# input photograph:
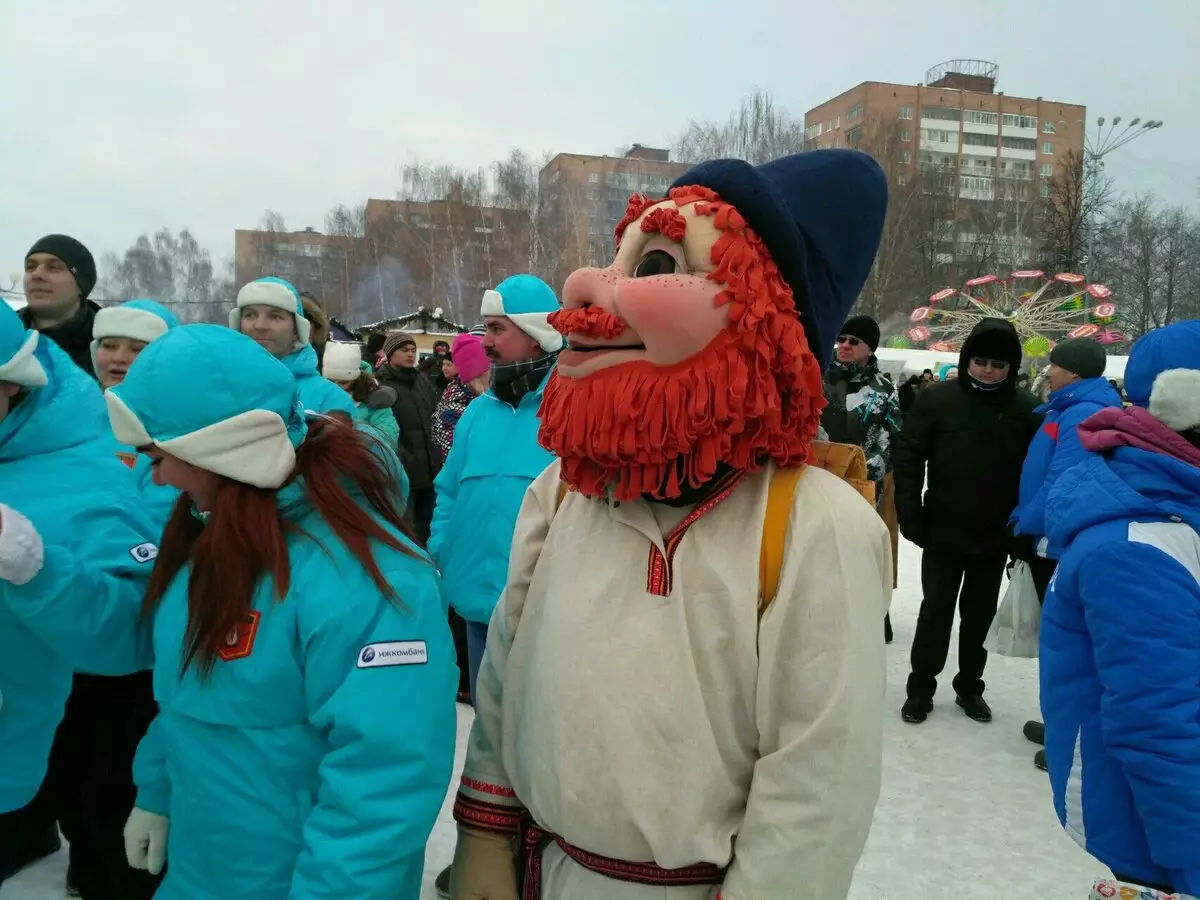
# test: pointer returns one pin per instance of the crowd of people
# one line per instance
(246, 572)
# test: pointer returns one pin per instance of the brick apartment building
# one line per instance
(985, 157)
(584, 197)
(439, 254)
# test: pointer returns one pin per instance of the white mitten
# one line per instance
(146, 840)
(21, 550)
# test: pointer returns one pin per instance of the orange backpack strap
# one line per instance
(780, 494)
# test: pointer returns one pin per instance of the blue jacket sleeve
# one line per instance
(85, 599)
(150, 771)
(1143, 614)
(446, 486)
(388, 767)
(1068, 451)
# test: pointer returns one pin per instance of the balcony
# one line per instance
(1013, 131)
(1010, 153)
(975, 128)
(972, 150)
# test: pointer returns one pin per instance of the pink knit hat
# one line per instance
(468, 356)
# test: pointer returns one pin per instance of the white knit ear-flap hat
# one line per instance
(23, 368)
(252, 447)
(275, 292)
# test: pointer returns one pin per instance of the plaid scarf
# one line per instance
(512, 381)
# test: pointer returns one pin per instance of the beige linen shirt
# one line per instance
(680, 729)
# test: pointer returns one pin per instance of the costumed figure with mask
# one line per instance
(682, 689)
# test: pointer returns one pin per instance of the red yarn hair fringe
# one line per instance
(246, 539)
(754, 394)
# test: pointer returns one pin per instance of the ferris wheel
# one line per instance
(1043, 309)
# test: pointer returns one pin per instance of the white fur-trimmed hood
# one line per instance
(1175, 398)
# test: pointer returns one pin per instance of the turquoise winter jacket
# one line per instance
(494, 458)
(314, 760)
(319, 395)
(59, 468)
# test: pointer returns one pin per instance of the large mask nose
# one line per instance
(590, 287)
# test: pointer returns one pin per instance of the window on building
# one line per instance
(1014, 121)
(812, 131)
(854, 113)
(902, 179)
(979, 117)
(906, 157)
(1016, 143)
(1046, 170)
(979, 140)
(905, 134)
(594, 178)
(938, 136)
(1044, 190)
(941, 113)
(835, 122)
(1047, 148)
(904, 112)
(1047, 127)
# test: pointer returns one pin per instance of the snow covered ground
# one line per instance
(963, 814)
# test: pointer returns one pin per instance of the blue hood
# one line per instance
(1125, 483)
(1087, 390)
(302, 363)
(68, 412)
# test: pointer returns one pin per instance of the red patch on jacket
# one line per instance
(239, 643)
(130, 459)
(1051, 429)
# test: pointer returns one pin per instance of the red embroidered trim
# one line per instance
(535, 839)
(484, 787)
(659, 576)
(488, 816)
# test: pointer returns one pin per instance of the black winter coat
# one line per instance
(415, 403)
(73, 336)
(973, 443)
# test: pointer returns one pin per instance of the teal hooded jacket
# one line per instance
(82, 610)
(493, 460)
(318, 394)
(313, 760)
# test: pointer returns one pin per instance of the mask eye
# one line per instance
(656, 262)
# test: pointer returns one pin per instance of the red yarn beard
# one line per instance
(753, 395)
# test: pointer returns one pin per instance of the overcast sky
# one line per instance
(121, 116)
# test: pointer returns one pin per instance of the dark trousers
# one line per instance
(950, 580)
(458, 630)
(12, 829)
(1042, 571)
(420, 511)
(90, 786)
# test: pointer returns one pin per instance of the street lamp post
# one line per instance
(1094, 152)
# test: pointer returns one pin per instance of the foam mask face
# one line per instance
(654, 304)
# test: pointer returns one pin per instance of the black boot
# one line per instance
(887, 629)
(916, 710)
(975, 707)
(1035, 733)
(1039, 760)
(36, 847)
(441, 884)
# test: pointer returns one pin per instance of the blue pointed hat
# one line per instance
(820, 215)
(213, 398)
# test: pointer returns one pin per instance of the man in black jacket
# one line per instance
(59, 274)
(972, 434)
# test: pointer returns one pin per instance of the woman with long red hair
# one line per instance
(303, 665)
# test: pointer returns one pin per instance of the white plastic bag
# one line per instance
(1014, 630)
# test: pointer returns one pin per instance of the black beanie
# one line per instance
(76, 256)
(1083, 356)
(864, 328)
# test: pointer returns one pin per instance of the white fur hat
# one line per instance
(272, 291)
(342, 361)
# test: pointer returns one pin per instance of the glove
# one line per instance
(485, 866)
(916, 532)
(1021, 546)
(21, 549)
(146, 840)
